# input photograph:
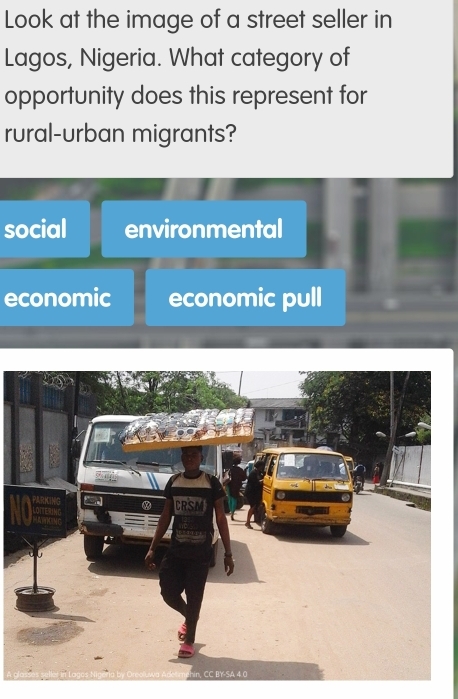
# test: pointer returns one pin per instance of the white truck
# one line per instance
(121, 495)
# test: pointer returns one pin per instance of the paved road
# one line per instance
(296, 608)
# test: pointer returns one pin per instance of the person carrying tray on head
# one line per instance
(191, 498)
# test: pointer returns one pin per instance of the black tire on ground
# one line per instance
(214, 554)
(93, 546)
(267, 526)
(338, 530)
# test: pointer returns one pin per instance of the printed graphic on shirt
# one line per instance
(193, 505)
(187, 504)
(186, 535)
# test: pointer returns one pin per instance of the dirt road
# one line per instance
(296, 606)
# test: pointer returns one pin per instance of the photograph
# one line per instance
(161, 506)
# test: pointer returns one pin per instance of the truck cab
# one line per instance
(121, 494)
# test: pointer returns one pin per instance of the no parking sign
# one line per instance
(37, 511)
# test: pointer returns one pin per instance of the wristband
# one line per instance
(228, 555)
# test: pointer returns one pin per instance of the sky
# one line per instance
(263, 384)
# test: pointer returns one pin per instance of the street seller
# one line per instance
(191, 498)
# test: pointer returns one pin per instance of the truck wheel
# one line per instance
(214, 554)
(93, 546)
(267, 526)
(338, 530)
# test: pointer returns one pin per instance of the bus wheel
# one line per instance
(93, 546)
(338, 530)
(267, 526)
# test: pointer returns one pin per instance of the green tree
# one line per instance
(356, 404)
(140, 392)
(423, 435)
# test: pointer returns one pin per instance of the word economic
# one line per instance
(51, 299)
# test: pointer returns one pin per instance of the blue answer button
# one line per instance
(83, 297)
(252, 297)
(204, 229)
(45, 229)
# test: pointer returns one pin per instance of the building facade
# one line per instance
(279, 421)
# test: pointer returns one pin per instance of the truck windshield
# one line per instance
(104, 448)
(312, 467)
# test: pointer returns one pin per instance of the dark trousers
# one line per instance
(178, 575)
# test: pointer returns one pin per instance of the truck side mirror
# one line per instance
(76, 449)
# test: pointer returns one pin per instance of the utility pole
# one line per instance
(393, 429)
(240, 382)
(394, 421)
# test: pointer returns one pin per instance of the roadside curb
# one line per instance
(420, 500)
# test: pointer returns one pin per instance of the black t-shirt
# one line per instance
(193, 502)
(254, 486)
(237, 476)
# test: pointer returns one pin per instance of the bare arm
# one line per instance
(162, 526)
(221, 521)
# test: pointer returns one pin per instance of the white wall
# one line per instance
(412, 465)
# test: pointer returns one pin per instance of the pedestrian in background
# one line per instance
(377, 473)
(253, 490)
(360, 470)
(235, 477)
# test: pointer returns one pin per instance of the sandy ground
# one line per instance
(292, 610)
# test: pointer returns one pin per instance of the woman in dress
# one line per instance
(376, 474)
(253, 490)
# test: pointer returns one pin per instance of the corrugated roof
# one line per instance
(276, 403)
